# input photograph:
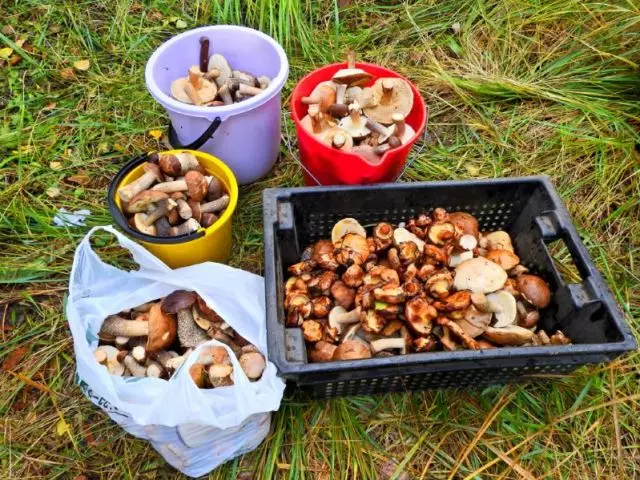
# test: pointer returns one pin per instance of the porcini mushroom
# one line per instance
(179, 303)
(220, 375)
(479, 275)
(324, 95)
(177, 164)
(145, 200)
(337, 138)
(473, 321)
(219, 62)
(503, 306)
(510, 335)
(402, 343)
(383, 132)
(506, 259)
(321, 352)
(253, 364)
(401, 129)
(187, 227)
(108, 356)
(392, 95)
(151, 175)
(465, 223)
(198, 374)
(160, 329)
(215, 205)
(338, 317)
(498, 240)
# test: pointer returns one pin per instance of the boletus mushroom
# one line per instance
(180, 302)
(352, 350)
(160, 329)
(193, 89)
(392, 95)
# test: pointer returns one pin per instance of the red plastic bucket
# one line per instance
(334, 167)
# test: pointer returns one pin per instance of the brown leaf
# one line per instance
(68, 73)
(14, 358)
(20, 42)
(79, 179)
(8, 30)
(387, 470)
(49, 106)
(80, 477)
(14, 60)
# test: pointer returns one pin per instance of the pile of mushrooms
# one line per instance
(349, 116)
(173, 197)
(434, 283)
(155, 339)
(212, 83)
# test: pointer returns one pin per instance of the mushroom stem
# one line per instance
(134, 188)
(383, 132)
(177, 361)
(348, 317)
(194, 77)
(121, 342)
(164, 356)
(340, 91)
(155, 370)
(244, 77)
(189, 334)
(354, 113)
(338, 140)
(398, 121)
(162, 227)
(224, 92)
(211, 74)
(189, 226)
(386, 344)
(139, 353)
(184, 210)
(215, 205)
(387, 91)
(316, 119)
(170, 187)
(351, 59)
(192, 93)
(134, 367)
(162, 209)
(380, 149)
(264, 81)
(247, 90)
(118, 326)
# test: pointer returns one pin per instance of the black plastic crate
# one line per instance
(528, 208)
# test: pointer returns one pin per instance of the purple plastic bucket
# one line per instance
(248, 139)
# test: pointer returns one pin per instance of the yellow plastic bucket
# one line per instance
(212, 244)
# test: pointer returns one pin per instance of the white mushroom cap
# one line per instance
(499, 240)
(503, 306)
(218, 62)
(345, 226)
(139, 222)
(458, 258)
(402, 235)
(479, 275)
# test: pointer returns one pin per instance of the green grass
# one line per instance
(526, 87)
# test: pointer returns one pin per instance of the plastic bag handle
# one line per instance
(198, 142)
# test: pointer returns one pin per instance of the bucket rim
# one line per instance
(416, 93)
(118, 215)
(225, 111)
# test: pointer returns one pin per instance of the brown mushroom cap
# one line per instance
(420, 315)
(170, 165)
(474, 322)
(465, 222)
(196, 212)
(162, 329)
(506, 259)
(178, 300)
(511, 335)
(207, 219)
(393, 95)
(323, 255)
(154, 169)
(534, 290)
(353, 249)
(351, 77)
(253, 364)
(196, 185)
(321, 352)
(312, 331)
(352, 350)
(141, 202)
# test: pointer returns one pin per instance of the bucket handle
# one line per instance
(408, 164)
(121, 220)
(198, 142)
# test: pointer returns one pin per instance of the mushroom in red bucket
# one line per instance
(393, 95)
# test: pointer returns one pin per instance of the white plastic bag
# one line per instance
(194, 429)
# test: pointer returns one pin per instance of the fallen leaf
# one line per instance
(80, 477)
(15, 59)
(14, 358)
(53, 192)
(8, 30)
(181, 24)
(153, 15)
(473, 170)
(157, 134)
(79, 179)
(6, 52)
(68, 73)
(62, 427)
(50, 106)
(20, 42)
(82, 65)
(55, 165)
(55, 28)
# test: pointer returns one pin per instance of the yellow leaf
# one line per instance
(157, 134)
(55, 165)
(62, 427)
(53, 192)
(6, 52)
(82, 65)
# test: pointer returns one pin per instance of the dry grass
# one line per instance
(527, 87)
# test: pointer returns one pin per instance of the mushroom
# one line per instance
(203, 322)
(300, 303)
(121, 342)
(392, 95)
(459, 332)
(321, 306)
(506, 259)
(498, 240)
(339, 109)
(151, 175)
(193, 183)
(390, 294)
(484, 344)
(457, 258)
(401, 130)
(321, 352)
(473, 321)
(177, 164)
(467, 241)
(455, 301)
(534, 290)
(420, 315)
(245, 78)
(353, 276)
(402, 343)
(481, 302)
(198, 374)
(351, 75)
(215, 205)
(184, 210)
(337, 138)
(479, 275)
(352, 350)
(344, 227)
(408, 253)
(187, 227)
(383, 132)
(160, 329)
(220, 375)
(383, 236)
(503, 306)
(208, 219)
(371, 321)
(145, 201)
(139, 353)
(392, 327)
(510, 335)
(530, 319)
(402, 235)
(388, 311)
(245, 90)
(439, 284)
(338, 317)
(176, 362)
(425, 344)
(252, 364)
(311, 331)
(323, 255)
(442, 233)
(324, 95)
(180, 302)
(215, 188)
(354, 124)
(164, 356)
(353, 248)
(219, 63)
(559, 338)
(300, 268)
(134, 367)
(193, 89)
(224, 91)
(162, 208)
(465, 223)
(313, 122)
(108, 356)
